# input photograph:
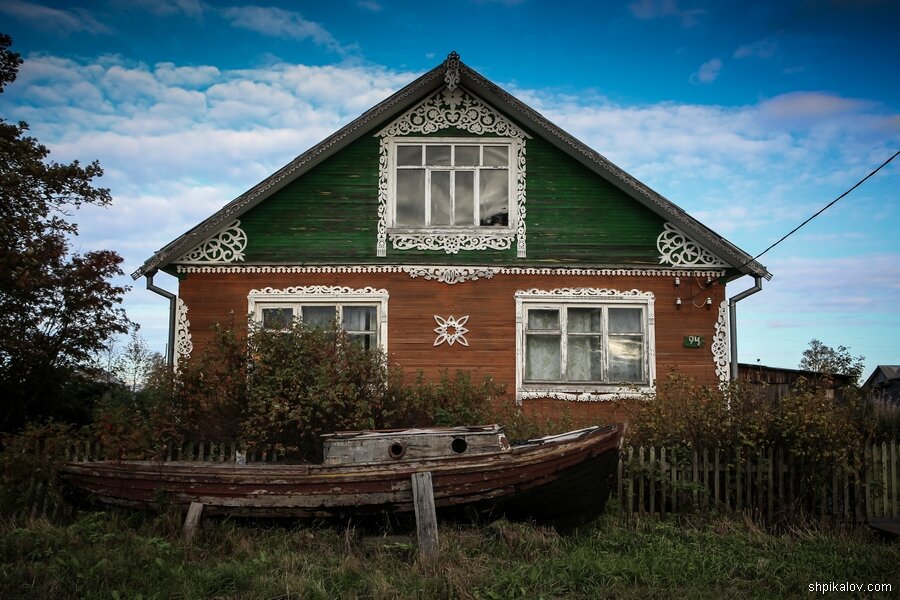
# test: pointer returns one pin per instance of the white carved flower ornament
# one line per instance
(451, 330)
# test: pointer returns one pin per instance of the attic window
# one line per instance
(452, 184)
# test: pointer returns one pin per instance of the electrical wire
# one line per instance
(823, 209)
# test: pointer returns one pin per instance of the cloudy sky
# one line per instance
(751, 116)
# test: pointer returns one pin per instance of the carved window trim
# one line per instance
(594, 297)
(451, 108)
(339, 296)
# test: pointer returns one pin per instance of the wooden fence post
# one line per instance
(426, 517)
(195, 512)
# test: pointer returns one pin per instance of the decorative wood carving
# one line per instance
(451, 330)
(452, 107)
(226, 246)
(720, 346)
(183, 342)
(678, 250)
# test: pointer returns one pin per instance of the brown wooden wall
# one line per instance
(490, 304)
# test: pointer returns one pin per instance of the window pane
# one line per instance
(626, 358)
(277, 318)
(411, 197)
(464, 196)
(542, 356)
(496, 156)
(440, 198)
(367, 341)
(359, 318)
(584, 358)
(466, 156)
(437, 155)
(319, 316)
(543, 319)
(494, 197)
(626, 320)
(585, 320)
(409, 155)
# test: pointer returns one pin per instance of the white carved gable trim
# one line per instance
(452, 107)
(226, 246)
(184, 345)
(679, 250)
(720, 347)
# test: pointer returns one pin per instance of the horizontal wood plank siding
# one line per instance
(329, 215)
(490, 305)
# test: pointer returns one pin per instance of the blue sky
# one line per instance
(751, 116)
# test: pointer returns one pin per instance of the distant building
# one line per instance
(776, 382)
(884, 383)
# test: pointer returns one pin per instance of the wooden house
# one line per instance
(457, 228)
(884, 384)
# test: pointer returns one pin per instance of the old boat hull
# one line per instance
(561, 479)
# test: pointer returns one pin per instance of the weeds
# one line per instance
(122, 555)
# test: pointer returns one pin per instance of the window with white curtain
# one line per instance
(362, 313)
(452, 183)
(590, 342)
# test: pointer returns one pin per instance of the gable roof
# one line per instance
(452, 73)
(883, 374)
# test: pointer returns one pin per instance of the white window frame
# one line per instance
(560, 299)
(512, 171)
(339, 297)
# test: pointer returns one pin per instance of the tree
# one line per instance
(832, 361)
(56, 308)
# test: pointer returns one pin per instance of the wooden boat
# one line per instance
(562, 479)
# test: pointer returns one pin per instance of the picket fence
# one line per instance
(768, 484)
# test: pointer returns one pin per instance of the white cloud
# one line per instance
(167, 8)
(765, 48)
(177, 143)
(276, 22)
(60, 21)
(708, 71)
(657, 9)
(370, 5)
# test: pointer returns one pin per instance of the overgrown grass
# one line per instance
(120, 555)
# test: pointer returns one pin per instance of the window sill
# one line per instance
(572, 394)
(452, 239)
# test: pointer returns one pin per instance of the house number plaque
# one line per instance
(693, 341)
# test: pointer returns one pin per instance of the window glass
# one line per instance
(585, 358)
(359, 318)
(409, 155)
(543, 319)
(466, 156)
(626, 320)
(585, 320)
(626, 359)
(496, 156)
(542, 357)
(319, 315)
(277, 318)
(440, 198)
(465, 198)
(437, 156)
(494, 197)
(410, 197)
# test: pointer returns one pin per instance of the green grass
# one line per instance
(127, 556)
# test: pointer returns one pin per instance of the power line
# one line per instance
(823, 209)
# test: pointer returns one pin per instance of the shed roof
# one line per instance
(452, 72)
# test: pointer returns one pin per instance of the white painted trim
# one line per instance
(450, 274)
(227, 245)
(184, 345)
(458, 108)
(679, 250)
(588, 296)
(322, 294)
(721, 346)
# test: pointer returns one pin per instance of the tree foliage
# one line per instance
(56, 308)
(832, 361)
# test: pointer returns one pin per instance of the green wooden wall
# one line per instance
(329, 216)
